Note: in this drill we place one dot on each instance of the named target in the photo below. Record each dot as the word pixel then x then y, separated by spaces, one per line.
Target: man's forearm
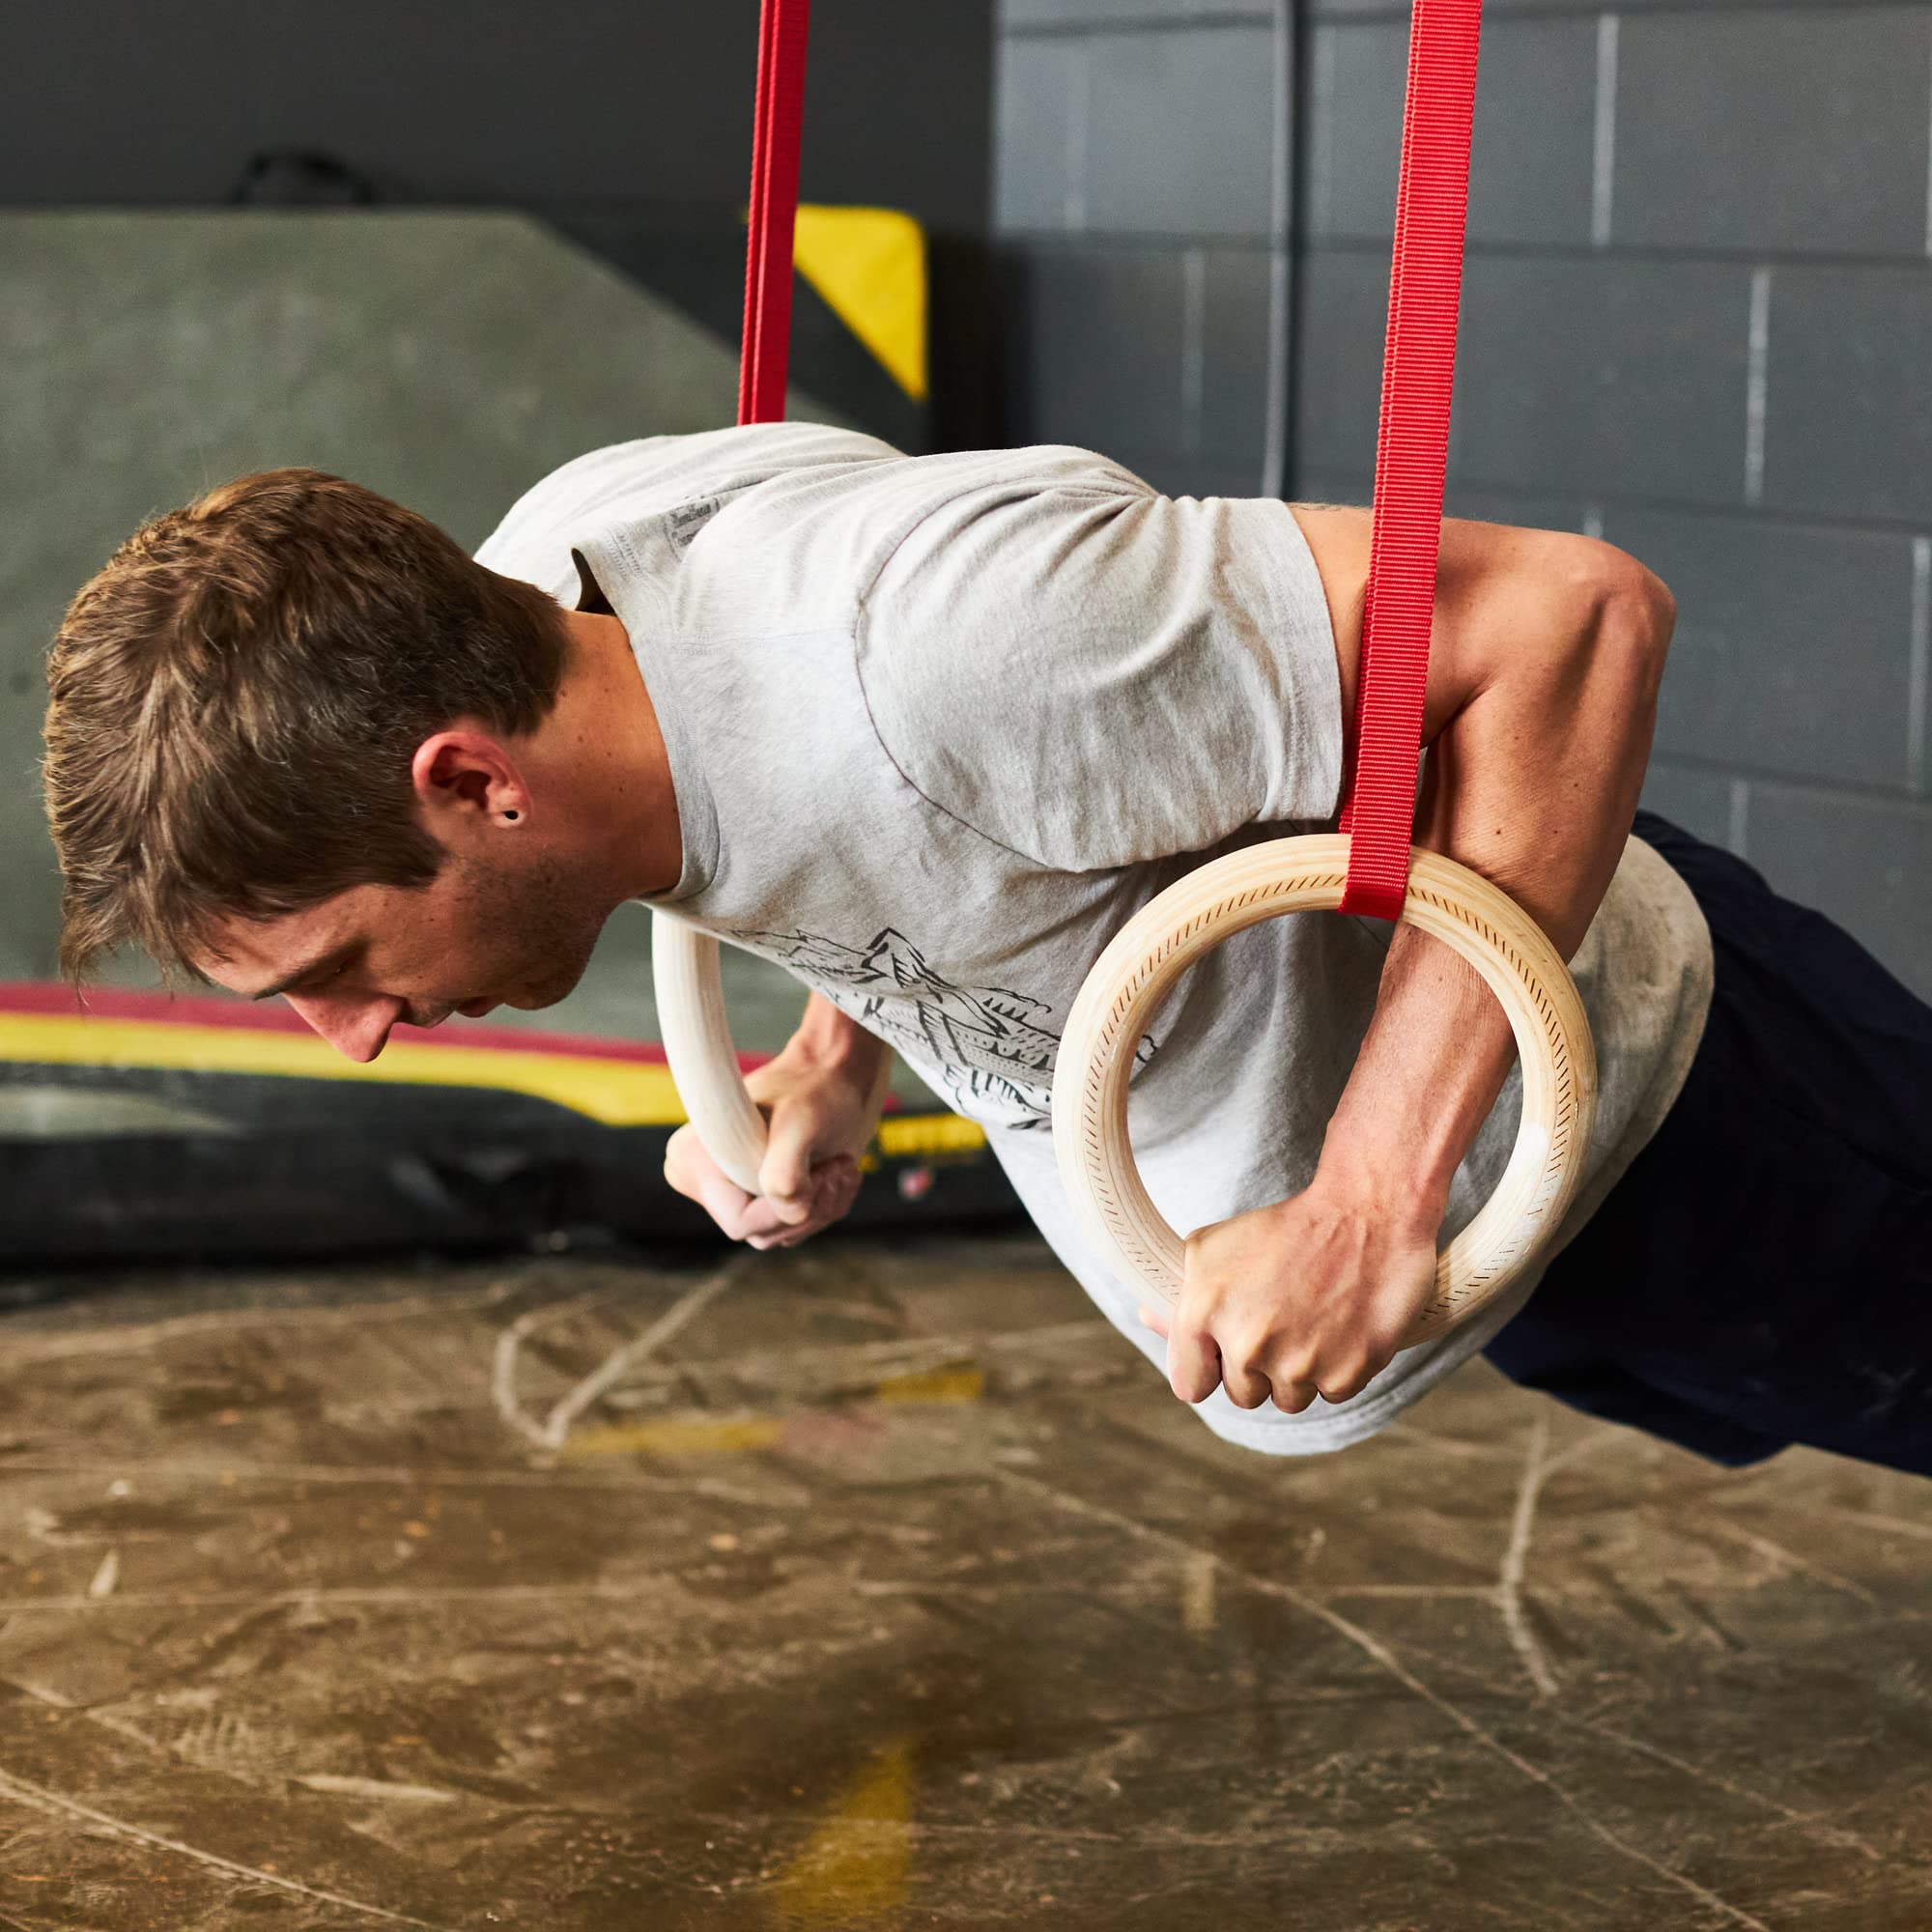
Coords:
pixel 1533 784
pixel 833 1039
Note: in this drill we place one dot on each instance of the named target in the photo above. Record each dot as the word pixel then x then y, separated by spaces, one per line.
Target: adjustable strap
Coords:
pixel 1418 374
pixel 775 140
pixel 1411 450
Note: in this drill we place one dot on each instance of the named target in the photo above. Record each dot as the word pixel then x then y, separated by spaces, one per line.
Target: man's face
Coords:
pixel 374 956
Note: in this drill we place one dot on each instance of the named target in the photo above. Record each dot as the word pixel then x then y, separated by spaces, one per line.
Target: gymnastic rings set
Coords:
pixel 1369 866
pixel 1128 984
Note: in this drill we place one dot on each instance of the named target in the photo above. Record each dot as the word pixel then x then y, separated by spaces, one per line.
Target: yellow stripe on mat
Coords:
pixel 619 1092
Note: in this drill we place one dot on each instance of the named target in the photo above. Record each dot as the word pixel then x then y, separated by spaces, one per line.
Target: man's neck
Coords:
pixel 604 737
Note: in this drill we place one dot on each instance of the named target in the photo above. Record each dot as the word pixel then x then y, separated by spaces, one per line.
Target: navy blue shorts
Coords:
pixel 1762 1273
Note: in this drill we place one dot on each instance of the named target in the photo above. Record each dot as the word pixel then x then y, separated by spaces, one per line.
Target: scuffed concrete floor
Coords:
pixel 880 1586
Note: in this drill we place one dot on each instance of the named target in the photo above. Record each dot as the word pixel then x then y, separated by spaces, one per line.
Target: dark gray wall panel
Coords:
pixel 1096 335
pixel 1034 182
pixel 1144 245
pixel 1795 129
pixel 1524 510
pixel 1355 125
pixel 1236 305
pixel 1534 94
pixel 1848 427
pixel 1338 361
pixel 1793 648
pixel 1580 374
pixel 1196 475
pixel 1866 863
pixel 1577 374
pixel 1180 132
pixel 1702 802
pixel 494 100
pixel 1338 489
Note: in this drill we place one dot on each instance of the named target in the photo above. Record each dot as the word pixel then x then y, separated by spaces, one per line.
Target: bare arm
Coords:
pixel 1532 782
pixel 1545 659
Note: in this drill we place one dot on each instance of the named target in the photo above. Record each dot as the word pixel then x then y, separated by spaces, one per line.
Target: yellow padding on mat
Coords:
pixel 907 1136
pixel 619 1092
pixel 868 265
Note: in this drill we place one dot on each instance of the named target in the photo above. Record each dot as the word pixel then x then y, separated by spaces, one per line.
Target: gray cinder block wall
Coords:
pixel 1142 187
pixel 1697 322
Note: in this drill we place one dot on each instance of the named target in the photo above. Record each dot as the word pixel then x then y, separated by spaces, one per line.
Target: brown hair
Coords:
pixel 236 698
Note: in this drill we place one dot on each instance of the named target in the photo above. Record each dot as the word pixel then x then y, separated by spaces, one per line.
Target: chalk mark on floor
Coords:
pixel 58 1805
pixel 1385 1658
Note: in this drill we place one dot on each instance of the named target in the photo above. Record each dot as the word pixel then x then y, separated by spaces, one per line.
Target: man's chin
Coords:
pixel 553 991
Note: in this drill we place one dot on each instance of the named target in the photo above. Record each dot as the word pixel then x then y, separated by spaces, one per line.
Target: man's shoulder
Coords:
pixel 648 475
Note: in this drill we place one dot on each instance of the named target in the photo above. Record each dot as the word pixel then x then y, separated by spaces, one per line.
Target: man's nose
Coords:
pixel 359 1029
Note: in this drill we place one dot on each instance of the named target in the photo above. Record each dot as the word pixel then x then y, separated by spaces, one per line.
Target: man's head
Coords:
pixel 294 744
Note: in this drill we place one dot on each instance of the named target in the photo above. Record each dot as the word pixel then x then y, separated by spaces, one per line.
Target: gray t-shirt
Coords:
pixel 939 725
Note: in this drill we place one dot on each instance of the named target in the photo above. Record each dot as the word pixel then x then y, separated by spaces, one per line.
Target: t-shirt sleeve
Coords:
pixel 1095 674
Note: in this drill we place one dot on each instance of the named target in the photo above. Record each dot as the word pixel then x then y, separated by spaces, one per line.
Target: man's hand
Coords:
pixel 821 1109
pixel 1311 1296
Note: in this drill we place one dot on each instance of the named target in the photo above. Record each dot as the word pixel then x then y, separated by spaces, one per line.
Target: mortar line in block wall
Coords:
pixel 1073 206
pixel 1274 401
pixel 1193 345
pixel 1388 13
pixel 1274 446
pixel 1321 108
pixel 1793 786
pixel 1918 688
pixel 1757 383
pixel 1604 153
pixel 1696 258
pixel 1928 160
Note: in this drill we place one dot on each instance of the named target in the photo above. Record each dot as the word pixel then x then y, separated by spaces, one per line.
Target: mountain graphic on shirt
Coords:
pixel 986 1045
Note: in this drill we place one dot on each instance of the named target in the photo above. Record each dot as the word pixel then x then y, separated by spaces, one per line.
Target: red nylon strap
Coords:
pixel 1411 450
pixel 775 140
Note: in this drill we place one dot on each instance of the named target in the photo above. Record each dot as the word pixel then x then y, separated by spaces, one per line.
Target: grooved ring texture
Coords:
pixel 1445 899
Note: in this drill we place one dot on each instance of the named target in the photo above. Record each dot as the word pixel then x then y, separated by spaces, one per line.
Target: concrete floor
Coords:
pixel 881 1585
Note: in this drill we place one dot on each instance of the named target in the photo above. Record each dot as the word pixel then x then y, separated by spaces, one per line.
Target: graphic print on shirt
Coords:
pixel 986 1044
pixel 682 525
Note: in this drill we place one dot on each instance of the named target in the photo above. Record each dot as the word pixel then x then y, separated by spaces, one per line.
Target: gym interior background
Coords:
pixel 1697 306
pixel 879 1584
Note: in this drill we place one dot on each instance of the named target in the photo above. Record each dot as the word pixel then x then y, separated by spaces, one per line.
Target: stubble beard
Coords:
pixel 551 922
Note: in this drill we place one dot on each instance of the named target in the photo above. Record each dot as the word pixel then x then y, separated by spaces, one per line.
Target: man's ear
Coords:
pixel 468 772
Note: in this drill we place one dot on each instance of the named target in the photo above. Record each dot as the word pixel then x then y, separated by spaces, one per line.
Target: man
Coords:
pixel 927 732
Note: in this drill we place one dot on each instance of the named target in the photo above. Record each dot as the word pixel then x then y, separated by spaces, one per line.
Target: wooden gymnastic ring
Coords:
pixel 1195 914
pixel 697 1046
